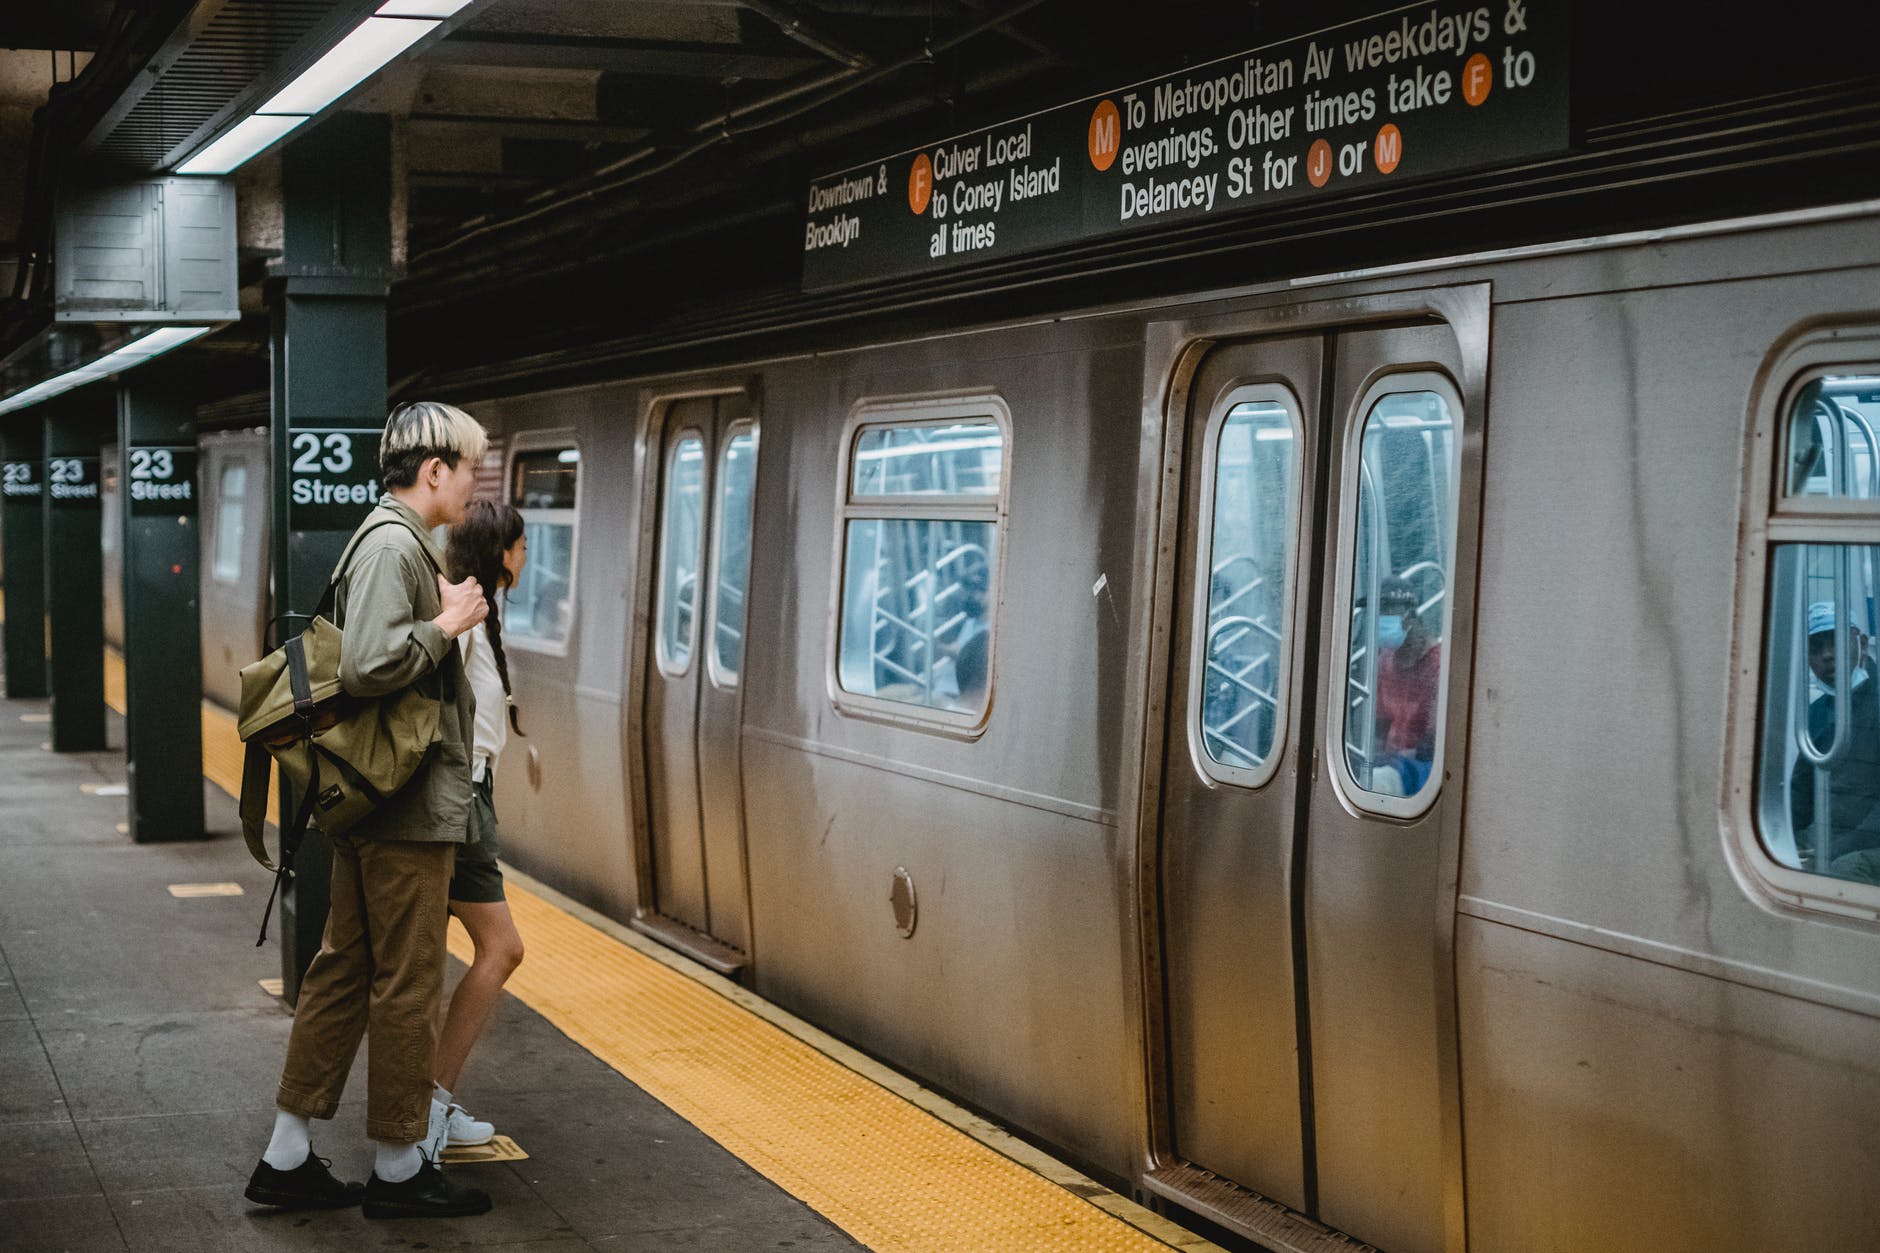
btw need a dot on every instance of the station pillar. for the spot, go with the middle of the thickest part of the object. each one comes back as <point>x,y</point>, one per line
<point>23,534</point>
<point>74,568</point>
<point>162,613</point>
<point>326,300</point>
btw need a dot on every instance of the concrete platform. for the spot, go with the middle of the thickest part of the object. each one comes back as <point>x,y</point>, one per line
<point>138,1057</point>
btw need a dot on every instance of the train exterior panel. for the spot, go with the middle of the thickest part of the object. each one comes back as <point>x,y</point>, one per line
<point>1017,985</point>
<point>562,785</point>
<point>233,472</point>
<point>1024,716</point>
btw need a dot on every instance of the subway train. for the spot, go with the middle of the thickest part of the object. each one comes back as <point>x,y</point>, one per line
<point>1390,755</point>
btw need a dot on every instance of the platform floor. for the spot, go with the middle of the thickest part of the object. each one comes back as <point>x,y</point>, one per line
<point>139,1052</point>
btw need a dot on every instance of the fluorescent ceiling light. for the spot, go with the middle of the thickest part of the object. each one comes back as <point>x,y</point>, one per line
<point>250,136</point>
<point>421,8</point>
<point>158,342</point>
<point>133,354</point>
<point>350,62</point>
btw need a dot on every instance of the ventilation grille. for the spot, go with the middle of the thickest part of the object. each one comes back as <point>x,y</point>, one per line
<point>244,43</point>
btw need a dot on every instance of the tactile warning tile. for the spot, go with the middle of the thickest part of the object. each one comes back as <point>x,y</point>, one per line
<point>887,1172</point>
<point>499,1149</point>
<point>188,891</point>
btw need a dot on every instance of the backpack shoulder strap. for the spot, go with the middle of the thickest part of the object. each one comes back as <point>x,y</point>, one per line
<point>327,599</point>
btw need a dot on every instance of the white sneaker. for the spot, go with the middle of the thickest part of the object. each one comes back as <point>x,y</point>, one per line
<point>437,1136</point>
<point>467,1130</point>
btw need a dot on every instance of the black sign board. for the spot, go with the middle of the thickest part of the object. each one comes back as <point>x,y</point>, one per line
<point>19,480</point>
<point>1427,89</point>
<point>162,481</point>
<point>72,481</point>
<point>332,477</point>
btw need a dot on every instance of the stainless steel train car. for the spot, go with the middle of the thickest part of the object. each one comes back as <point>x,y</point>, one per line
<point>1354,753</point>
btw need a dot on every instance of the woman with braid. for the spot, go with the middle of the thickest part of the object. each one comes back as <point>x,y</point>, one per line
<point>490,544</point>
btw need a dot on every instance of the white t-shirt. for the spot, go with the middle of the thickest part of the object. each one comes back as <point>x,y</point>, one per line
<point>492,722</point>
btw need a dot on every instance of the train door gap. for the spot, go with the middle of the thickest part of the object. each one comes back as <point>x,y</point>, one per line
<point>1306,770</point>
<point>703,643</point>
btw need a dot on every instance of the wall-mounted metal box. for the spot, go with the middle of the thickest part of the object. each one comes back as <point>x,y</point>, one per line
<point>162,250</point>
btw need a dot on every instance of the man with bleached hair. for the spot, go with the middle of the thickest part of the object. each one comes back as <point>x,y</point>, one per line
<point>380,968</point>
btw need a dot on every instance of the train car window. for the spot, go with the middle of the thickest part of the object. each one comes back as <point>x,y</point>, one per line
<point>682,537</point>
<point>920,550</point>
<point>231,521</point>
<point>1396,665</point>
<point>956,459</point>
<point>544,486</point>
<point>731,552</point>
<point>1252,458</point>
<point>1833,450</point>
<point>1818,788</point>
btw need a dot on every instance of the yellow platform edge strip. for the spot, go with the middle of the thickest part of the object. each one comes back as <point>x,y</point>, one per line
<point>221,747</point>
<point>899,1168</point>
<point>891,1174</point>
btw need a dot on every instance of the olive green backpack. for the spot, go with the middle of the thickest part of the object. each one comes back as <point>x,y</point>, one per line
<point>343,755</point>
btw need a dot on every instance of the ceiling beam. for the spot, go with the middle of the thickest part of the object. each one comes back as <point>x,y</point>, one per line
<point>514,50</point>
<point>522,127</point>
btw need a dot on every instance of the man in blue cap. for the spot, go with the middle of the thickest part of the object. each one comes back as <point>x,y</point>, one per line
<point>1851,828</point>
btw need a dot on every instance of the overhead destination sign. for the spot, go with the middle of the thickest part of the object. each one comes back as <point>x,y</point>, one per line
<point>1428,89</point>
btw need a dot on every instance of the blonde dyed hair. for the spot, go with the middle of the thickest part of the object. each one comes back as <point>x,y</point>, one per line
<point>421,429</point>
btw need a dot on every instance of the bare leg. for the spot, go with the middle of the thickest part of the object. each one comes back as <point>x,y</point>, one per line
<point>499,952</point>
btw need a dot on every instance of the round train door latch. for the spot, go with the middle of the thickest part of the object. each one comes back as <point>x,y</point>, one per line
<point>901,899</point>
<point>535,769</point>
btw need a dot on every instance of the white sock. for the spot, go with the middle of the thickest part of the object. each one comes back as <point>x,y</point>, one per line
<point>396,1162</point>
<point>440,1094</point>
<point>289,1146</point>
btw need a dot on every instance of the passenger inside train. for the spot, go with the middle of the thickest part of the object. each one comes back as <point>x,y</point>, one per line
<point>1849,812</point>
<point>1828,760</point>
<point>1409,670</point>
<point>974,633</point>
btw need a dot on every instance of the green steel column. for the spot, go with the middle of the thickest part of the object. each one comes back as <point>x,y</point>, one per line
<point>157,497</point>
<point>327,301</point>
<point>23,533</point>
<point>74,571</point>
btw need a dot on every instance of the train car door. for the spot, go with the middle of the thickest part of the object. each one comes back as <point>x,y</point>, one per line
<point>707,482</point>
<point>1312,785</point>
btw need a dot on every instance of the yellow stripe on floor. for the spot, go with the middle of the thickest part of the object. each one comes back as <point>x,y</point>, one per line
<point>114,678</point>
<point>222,752</point>
<point>890,1174</point>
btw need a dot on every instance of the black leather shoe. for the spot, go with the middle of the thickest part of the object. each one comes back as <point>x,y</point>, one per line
<point>309,1185</point>
<point>427,1194</point>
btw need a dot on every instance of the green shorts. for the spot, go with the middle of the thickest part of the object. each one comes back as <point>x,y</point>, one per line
<point>478,880</point>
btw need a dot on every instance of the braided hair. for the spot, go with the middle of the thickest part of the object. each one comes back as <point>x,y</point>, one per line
<point>475,550</point>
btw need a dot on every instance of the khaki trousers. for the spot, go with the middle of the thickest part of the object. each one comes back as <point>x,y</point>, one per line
<point>380,969</point>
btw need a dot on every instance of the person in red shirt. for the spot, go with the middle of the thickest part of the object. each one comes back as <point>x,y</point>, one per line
<point>1409,681</point>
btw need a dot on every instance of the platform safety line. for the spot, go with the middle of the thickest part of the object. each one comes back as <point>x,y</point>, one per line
<point>891,1174</point>
<point>867,1153</point>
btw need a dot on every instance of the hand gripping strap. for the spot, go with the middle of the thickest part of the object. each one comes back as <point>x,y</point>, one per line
<point>330,597</point>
